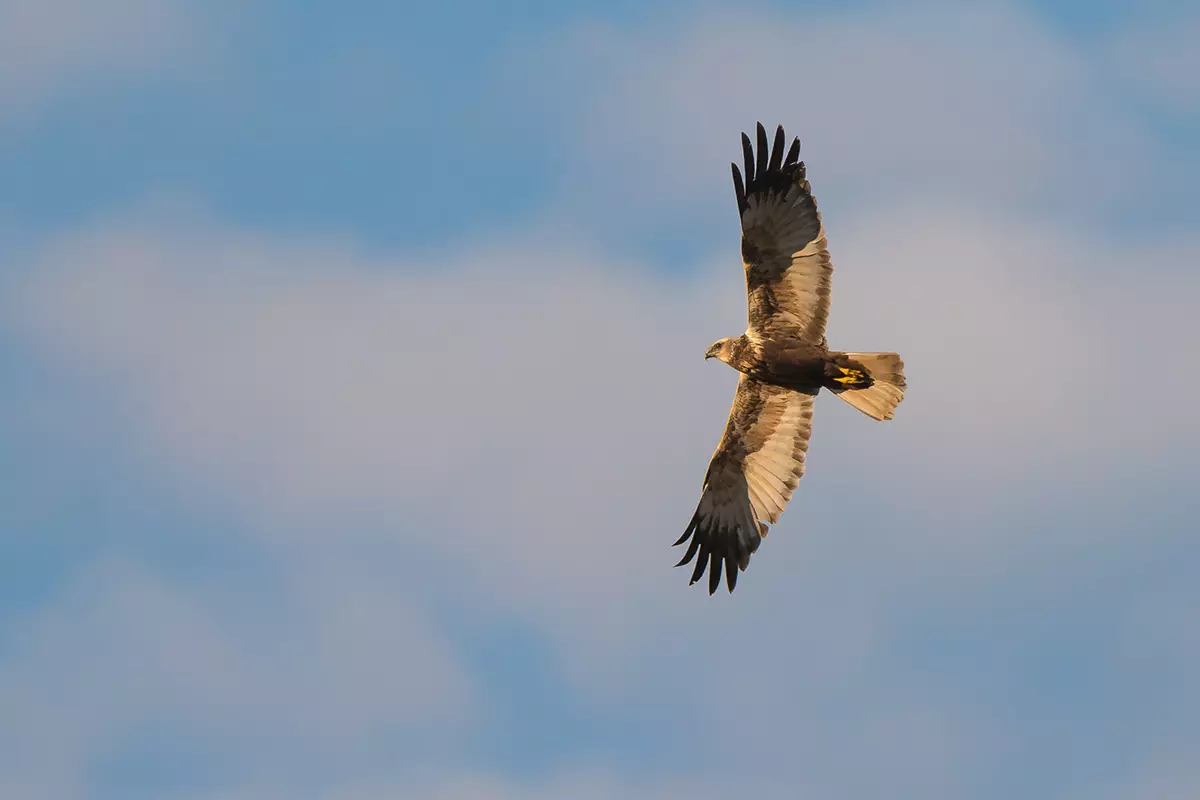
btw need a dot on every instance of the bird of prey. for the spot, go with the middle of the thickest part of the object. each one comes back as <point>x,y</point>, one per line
<point>784,362</point>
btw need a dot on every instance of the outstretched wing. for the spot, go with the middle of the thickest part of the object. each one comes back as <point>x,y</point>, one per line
<point>788,272</point>
<point>750,478</point>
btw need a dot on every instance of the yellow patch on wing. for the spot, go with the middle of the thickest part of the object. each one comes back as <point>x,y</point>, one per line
<point>851,376</point>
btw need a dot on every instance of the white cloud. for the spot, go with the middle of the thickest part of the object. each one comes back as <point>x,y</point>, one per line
<point>47,45</point>
<point>319,664</point>
<point>543,423</point>
<point>982,102</point>
<point>522,425</point>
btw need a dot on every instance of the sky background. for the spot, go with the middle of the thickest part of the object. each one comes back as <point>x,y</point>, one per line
<point>352,394</point>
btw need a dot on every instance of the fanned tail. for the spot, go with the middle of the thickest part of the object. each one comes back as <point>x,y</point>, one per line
<point>879,400</point>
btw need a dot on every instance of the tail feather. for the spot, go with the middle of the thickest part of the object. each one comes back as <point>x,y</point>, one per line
<point>878,401</point>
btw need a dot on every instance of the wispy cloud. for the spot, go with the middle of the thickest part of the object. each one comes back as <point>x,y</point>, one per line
<point>420,448</point>
<point>303,378</point>
<point>50,46</point>
<point>983,103</point>
<point>262,670</point>
<point>542,423</point>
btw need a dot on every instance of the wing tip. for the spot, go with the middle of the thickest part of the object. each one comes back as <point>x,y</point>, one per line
<point>767,167</point>
<point>717,550</point>
<point>793,155</point>
<point>739,189</point>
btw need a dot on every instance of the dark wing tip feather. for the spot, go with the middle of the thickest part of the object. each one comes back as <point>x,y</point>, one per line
<point>748,158</point>
<point>688,531</point>
<point>794,153</point>
<point>739,189</point>
<point>691,551</point>
<point>760,164</point>
<point>714,548</point>
<point>776,151</point>
<point>701,563</point>
<point>767,168</point>
<point>714,571</point>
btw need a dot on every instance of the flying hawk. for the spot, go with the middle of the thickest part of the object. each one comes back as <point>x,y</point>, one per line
<point>784,361</point>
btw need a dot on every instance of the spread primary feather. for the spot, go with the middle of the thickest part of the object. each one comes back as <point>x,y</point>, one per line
<point>784,360</point>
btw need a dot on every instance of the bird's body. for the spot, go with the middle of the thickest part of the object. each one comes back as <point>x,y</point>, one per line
<point>794,364</point>
<point>784,362</point>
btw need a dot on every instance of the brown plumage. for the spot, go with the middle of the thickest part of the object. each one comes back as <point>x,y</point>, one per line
<point>784,361</point>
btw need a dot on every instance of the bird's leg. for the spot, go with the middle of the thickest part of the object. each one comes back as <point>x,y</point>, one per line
<point>850,377</point>
<point>846,375</point>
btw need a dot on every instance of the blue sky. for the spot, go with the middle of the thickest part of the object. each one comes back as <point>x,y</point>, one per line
<point>352,397</point>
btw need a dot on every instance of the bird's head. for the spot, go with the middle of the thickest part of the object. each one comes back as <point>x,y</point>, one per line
<point>722,350</point>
